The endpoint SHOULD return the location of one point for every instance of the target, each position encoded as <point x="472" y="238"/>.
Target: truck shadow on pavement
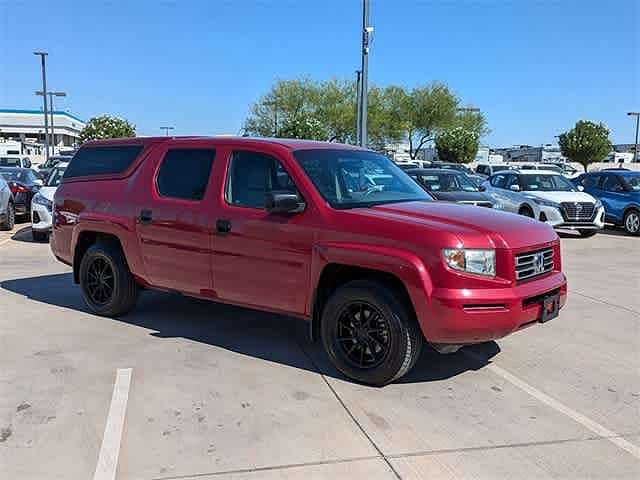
<point x="271" y="337"/>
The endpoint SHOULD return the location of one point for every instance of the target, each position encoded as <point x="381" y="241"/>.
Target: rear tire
<point x="108" y="288"/>
<point x="632" y="222"/>
<point x="370" y="332"/>
<point x="587" y="233"/>
<point x="10" y="220"/>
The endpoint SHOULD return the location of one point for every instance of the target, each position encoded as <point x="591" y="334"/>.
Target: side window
<point x="184" y="173"/>
<point x="511" y="180"/>
<point x="251" y="175"/>
<point x="590" y="181"/>
<point x="482" y="169"/>
<point x="612" y="184"/>
<point x="499" y="180"/>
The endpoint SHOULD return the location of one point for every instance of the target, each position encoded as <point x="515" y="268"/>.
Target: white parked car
<point x="547" y="196"/>
<point x="42" y="202"/>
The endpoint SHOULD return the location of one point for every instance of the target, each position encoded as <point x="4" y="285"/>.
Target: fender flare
<point x="402" y="264"/>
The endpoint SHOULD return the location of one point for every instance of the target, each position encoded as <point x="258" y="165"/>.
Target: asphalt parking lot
<point x="185" y="389"/>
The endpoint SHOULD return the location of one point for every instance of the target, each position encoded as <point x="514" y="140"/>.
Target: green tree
<point x="426" y="111"/>
<point x="106" y="126"/>
<point x="303" y="126"/>
<point x="457" y="144"/>
<point x="586" y="143"/>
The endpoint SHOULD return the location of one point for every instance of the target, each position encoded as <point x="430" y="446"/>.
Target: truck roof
<point x="290" y="143"/>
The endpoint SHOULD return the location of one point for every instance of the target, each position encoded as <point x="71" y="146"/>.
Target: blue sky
<point x="533" y="67"/>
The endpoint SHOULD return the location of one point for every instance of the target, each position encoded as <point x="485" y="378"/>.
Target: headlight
<point x="545" y="203"/>
<point x="41" y="200"/>
<point x="481" y="262"/>
<point x="598" y="203"/>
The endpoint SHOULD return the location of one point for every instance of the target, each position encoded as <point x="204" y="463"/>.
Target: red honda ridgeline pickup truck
<point x="331" y="233"/>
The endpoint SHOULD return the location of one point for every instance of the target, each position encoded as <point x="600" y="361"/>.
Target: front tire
<point x="108" y="288"/>
<point x="526" y="211"/>
<point x="370" y="332"/>
<point x="587" y="233"/>
<point x="632" y="222"/>
<point x="10" y="220"/>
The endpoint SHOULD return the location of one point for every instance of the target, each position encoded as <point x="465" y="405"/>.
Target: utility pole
<point x="51" y="111"/>
<point x="636" y="157"/>
<point x="43" y="56"/>
<point x="166" y="130"/>
<point x="364" y="89"/>
<point x="358" y="99"/>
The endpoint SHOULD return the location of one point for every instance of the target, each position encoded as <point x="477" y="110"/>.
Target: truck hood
<point x="473" y="227"/>
<point x="558" y="197"/>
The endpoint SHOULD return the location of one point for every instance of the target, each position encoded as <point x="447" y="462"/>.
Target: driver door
<point x="260" y="259"/>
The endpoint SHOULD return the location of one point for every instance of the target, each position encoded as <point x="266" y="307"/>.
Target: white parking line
<point x="578" y="417"/>
<point x="108" y="458"/>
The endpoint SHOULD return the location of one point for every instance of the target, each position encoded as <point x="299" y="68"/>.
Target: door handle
<point x="223" y="226"/>
<point x="145" y="217"/>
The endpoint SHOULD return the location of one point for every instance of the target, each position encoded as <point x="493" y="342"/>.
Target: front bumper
<point x="40" y="218"/>
<point x="463" y="316"/>
<point x="553" y="216"/>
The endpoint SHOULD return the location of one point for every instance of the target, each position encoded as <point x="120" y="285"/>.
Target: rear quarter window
<point x="91" y="161"/>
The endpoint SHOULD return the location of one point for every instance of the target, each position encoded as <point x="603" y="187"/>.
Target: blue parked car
<point x="619" y="192"/>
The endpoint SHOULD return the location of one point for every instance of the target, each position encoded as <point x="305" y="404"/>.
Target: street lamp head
<point x="59" y="94"/>
<point x="41" y="53"/>
<point x="635" y="114"/>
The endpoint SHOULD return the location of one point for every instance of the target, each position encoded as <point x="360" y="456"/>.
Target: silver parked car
<point x="7" y="207"/>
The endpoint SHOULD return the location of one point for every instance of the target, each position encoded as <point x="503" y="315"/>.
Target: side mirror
<point x="580" y="188"/>
<point x="39" y="182"/>
<point x="283" y="202"/>
<point x="514" y="188"/>
<point x="482" y="188"/>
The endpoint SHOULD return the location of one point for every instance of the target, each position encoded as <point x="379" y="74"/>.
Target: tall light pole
<point x="636" y="157"/>
<point x="364" y="89"/>
<point x="358" y="99"/>
<point x="166" y="130"/>
<point x="51" y="111"/>
<point x="43" y="56"/>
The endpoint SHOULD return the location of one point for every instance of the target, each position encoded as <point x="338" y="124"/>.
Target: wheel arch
<point x="334" y="265"/>
<point x="86" y="239"/>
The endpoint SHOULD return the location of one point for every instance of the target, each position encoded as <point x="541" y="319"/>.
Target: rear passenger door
<point x="260" y="259"/>
<point x="173" y="220"/>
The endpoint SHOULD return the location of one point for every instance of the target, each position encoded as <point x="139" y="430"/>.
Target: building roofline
<point x="24" y="110"/>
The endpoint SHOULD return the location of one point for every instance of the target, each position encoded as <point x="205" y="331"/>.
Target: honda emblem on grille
<point x="538" y="263"/>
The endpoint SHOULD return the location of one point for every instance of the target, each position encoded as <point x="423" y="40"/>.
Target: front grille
<point x="533" y="264"/>
<point x="577" y="211"/>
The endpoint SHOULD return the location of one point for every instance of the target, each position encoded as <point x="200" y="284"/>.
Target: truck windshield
<point x="355" y="178"/>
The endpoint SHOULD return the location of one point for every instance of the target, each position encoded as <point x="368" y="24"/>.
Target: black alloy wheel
<point x="100" y="281"/>
<point x="363" y="334"/>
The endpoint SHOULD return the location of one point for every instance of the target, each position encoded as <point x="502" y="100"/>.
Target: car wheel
<point x="587" y="233"/>
<point x="369" y="333"/>
<point x="107" y="285"/>
<point x="39" y="236"/>
<point x="632" y="222"/>
<point x="526" y="211"/>
<point x="10" y="221"/>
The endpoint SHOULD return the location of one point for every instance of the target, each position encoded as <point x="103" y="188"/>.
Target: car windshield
<point x="541" y="182"/>
<point x="353" y="178"/>
<point x="9" y="162"/>
<point x="633" y="182"/>
<point x="55" y="176"/>
<point x="446" y="182"/>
